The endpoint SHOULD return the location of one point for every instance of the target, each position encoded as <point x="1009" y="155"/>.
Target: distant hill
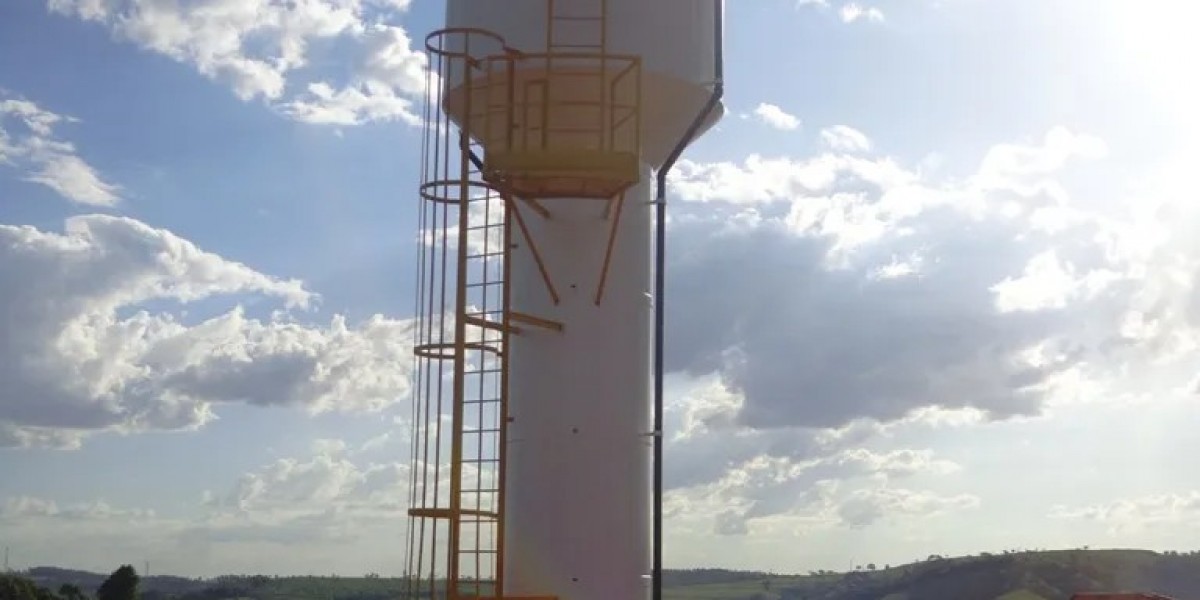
<point x="1012" y="576"/>
<point x="1016" y="576"/>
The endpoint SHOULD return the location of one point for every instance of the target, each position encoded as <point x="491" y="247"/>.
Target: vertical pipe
<point x="660" y="248"/>
<point x="506" y="290"/>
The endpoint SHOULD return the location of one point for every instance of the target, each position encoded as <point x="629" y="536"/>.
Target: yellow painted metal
<point x="533" y="249"/>
<point x="563" y="124"/>
<point x="492" y="325"/>
<point x="565" y="173"/>
<point x="460" y="356"/>
<point x="537" y="207"/>
<point x="459" y="549"/>
<point x="608" y="250"/>
<point x="446" y="513"/>
<point x="535" y="321"/>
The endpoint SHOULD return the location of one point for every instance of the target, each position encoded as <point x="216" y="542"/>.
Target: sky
<point x="932" y="289"/>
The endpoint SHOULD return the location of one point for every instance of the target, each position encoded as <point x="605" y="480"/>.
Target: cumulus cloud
<point x="1028" y="170"/>
<point x="1133" y="515"/>
<point x="843" y="138"/>
<point x="325" y="496"/>
<point x="348" y="506"/>
<point x="835" y="299"/>
<point x="865" y="507"/>
<point x="776" y="117"/>
<point x="728" y="476"/>
<point x="28" y="143"/>
<point x="833" y="288"/>
<point x="848" y="12"/>
<point x="82" y="353"/>
<point x="851" y="12"/>
<point x="28" y="507"/>
<point x="849" y="488"/>
<point x="261" y="49"/>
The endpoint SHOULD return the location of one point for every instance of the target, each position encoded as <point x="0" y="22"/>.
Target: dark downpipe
<point x="660" y="252"/>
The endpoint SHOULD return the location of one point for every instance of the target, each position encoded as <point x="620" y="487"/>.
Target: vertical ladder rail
<point x="588" y="21"/>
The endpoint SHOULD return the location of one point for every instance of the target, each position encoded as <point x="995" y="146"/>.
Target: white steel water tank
<point x="578" y="473"/>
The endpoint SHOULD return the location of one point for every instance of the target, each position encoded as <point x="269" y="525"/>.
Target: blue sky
<point x="967" y="222"/>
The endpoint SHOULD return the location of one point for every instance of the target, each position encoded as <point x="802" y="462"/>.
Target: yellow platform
<point x="571" y="173"/>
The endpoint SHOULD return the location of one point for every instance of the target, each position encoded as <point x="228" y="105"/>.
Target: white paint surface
<point x="579" y="501"/>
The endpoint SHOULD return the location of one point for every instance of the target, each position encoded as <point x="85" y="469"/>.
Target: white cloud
<point x="842" y="138"/>
<point x="984" y="308"/>
<point x="1133" y="515"/>
<point x="323" y="105"/>
<point x="847" y="489"/>
<point x="865" y="507"/>
<point x="328" y="512"/>
<point x="728" y="477"/>
<point x="760" y="179"/>
<point x="851" y="12"/>
<point x="73" y="178"/>
<point x="324" y="496"/>
<point x="95" y="358"/>
<point x="47" y="160"/>
<point x="1028" y="169"/>
<point x="1048" y="283"/>
<point x="261" y="48"/>
<point x="776" y="117"/>
<point x="25" y="506"/>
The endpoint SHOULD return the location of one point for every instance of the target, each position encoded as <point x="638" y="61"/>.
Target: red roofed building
<point x="1121" y="596"/>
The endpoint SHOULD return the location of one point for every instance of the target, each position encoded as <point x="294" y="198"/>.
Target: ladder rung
<point x="535" y="321"/>
<point x="446" y="513"/>
<point x="494" y="326"/>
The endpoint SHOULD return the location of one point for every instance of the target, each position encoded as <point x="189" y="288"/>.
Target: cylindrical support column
<point x="578" y="479"/>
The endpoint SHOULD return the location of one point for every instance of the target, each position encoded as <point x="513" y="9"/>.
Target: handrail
<point x="441" y="34"/>
<point x="660" y="243"/>
<point x="531" y="100"/>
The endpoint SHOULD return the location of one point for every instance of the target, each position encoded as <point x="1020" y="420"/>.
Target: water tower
<point x="537" y="390"/>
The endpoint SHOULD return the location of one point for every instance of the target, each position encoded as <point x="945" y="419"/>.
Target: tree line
<point x="122" y="584"/>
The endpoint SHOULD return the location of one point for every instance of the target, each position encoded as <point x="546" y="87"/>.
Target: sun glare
<point x="1158" y="39"/>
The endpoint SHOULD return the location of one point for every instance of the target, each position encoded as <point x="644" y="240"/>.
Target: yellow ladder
<point x="584" y="21"/>
<point x="479" y="426"/>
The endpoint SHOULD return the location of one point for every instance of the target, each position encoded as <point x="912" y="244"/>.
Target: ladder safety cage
<point x="454" y="541"/>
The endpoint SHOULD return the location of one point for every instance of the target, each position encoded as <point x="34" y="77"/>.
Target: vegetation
<point x="121" y="585"/>
<point x="1007" y="576"/>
